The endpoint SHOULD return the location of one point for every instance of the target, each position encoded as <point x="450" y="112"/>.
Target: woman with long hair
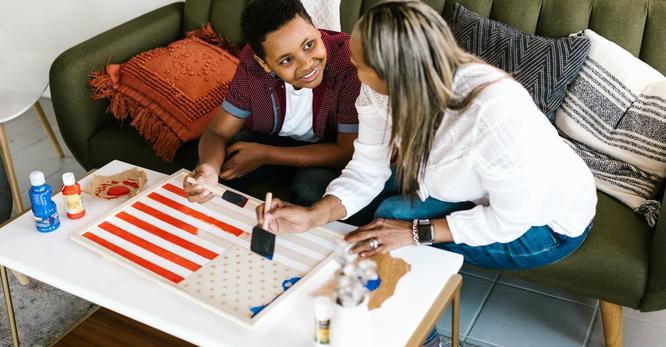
<point x="480" y="169"/>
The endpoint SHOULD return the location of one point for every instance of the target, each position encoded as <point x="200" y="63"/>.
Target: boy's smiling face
<point x="296" y="53"/>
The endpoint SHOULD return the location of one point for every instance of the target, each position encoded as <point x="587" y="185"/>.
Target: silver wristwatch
<point x="425" y="232"/>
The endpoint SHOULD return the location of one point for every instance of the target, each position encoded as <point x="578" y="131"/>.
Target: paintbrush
<point x="263" y="241"/>
<point x="225" y="194"/>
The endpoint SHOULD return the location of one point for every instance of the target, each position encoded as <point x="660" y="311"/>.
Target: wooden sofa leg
<point x="611" y="317"/>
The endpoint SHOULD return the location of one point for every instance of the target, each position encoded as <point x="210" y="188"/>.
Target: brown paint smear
<point x="389" y="269"/>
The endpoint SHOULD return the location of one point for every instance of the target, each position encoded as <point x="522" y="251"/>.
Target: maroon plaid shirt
<point x="259" y="97"/>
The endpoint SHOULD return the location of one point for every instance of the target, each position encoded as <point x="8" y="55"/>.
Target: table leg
<point x="21" y="278"/>
<point x="49" y="130"/>
<point x="449" y="295"/>
<point x="455" y="318"/>
<point x="10" y="307"/>
<point x="9" y="167"/>
<point x="13" y="185"/>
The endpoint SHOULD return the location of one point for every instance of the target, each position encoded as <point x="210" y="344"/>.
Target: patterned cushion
<point x="614" y="115"/>
<point x="325" y="14"/>
<point x="171" y="93"/>
<point x="545" y="67"/>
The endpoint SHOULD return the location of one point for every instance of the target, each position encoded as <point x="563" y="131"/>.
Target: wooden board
<point x="202" y="251"/>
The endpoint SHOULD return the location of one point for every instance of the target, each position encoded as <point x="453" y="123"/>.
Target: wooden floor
<point x="107" y="328"/>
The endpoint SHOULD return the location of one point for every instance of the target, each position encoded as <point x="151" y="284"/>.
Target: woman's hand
<point x="389" y="233"/>
<point x="243" y="158"/>
<point x="284" y="217"/>
<point x="204" y="173"/>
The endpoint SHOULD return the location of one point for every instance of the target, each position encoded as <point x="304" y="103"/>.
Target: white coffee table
<point x="53" y="258"/>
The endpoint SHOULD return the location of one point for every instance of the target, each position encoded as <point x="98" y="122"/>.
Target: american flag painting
<point x="203" y="250"/>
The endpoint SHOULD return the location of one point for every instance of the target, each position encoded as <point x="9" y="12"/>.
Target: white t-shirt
<point x="501" y="153"/>
<point x="298" y="115"/>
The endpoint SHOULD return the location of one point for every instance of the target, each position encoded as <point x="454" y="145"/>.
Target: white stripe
<point x="279" y="241"/>
<point x="314" y="238"/>
<point x="175" y="230"/>
<point x="297" y="239"/>
<point x="303" y="268"/>
<point x="138" y="251"/>
<point x="327" y="235"/>
<point x="173" y="248"/>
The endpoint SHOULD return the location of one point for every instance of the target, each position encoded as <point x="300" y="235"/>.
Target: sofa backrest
<point x="637" y="25"/>
<point x="225" y="15"/>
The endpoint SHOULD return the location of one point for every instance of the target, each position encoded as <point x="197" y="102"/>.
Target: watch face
<point x="425" y="233"/>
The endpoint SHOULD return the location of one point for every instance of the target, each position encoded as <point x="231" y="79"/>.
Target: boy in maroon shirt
<point x="291" y="103"/>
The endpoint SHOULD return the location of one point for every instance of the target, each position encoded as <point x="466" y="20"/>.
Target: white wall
<point x="34" y="32"/>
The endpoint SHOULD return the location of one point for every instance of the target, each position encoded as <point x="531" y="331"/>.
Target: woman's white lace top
<point x="500" y="152"/>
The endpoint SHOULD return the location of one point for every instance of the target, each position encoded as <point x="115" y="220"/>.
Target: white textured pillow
<point x="325" y="13"/>
<point x="614" y="115"/>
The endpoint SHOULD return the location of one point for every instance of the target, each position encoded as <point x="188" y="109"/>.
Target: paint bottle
<point x="71" y="192"/>
<point x="322" y="321"/>
<point x="44" y="209"/>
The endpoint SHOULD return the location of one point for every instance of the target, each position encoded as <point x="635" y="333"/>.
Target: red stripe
<point x="134" y="258"/>
<point x="167" y="235"/>
<point x="165" y="218"/>
<point x="170" y="187"/>
<point x="150" y="247"/>
<point x="196" y="214"/>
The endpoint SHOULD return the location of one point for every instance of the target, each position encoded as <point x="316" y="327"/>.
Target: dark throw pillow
<point x="545" y="67"/>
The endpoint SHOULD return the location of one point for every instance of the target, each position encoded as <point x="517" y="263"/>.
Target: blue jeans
<point x="538" y="246"/>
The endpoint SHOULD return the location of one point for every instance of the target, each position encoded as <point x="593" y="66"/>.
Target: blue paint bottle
<point x="43" y="207"/>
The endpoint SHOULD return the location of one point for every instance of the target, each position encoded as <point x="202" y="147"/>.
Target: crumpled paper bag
<point x="124" y="184"/>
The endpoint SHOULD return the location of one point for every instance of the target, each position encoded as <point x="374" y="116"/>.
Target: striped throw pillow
<point x="544" y="66"/>
<point x="614" y="116"/>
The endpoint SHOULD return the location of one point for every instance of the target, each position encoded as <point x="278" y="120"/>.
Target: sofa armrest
<point x="655" y="295"/>
<point x="78" y="116"/>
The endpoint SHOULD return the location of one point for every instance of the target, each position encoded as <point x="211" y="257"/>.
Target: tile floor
<point x="495" y="310"/>
<point x="502" y="311"/>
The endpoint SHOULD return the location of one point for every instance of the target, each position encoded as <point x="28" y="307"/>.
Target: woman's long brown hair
<point x="410" y="46"/>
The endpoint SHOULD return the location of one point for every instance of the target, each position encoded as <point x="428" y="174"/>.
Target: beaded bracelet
<point x="415" y="234"/>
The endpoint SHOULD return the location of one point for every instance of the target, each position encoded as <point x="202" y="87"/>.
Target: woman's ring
<point x="373" y="243"/>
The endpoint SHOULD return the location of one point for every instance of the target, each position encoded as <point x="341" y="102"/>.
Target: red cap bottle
<point x="71" y="191"/>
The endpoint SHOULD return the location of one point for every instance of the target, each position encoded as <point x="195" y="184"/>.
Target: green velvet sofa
<point x="623" y="261"/>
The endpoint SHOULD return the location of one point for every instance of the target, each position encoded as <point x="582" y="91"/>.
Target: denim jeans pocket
<point x="539" y="239"/>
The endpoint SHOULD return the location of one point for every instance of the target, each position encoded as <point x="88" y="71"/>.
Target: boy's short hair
<point x="262" y="17"/>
